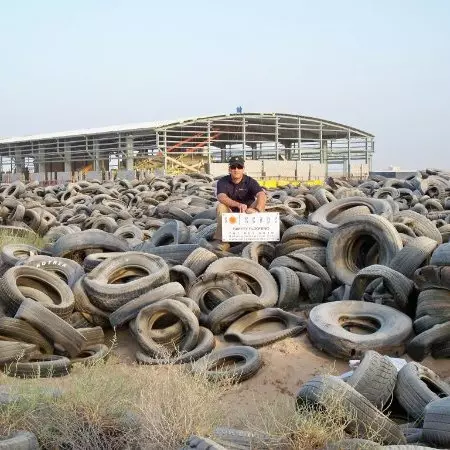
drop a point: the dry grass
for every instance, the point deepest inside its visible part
(115, 406)
(305, 428)
(280, 425)
(16, 236)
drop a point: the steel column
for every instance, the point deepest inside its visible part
(243, 139)
(348, 152)
(276, 139)
(165, 152)
(299, 143)
(209, 143)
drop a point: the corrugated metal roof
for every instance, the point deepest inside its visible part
(152, 126)
(91, 131)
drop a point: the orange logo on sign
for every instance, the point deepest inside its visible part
(233, 220)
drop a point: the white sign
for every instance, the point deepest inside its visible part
(259, 227)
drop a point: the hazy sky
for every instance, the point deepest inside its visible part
(382, 66)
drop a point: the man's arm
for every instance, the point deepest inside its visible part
(261, 201)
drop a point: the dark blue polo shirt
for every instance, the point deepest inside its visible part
(243, 192)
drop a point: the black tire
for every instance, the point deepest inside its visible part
(11, 351)
(288, 287)
(416, 387)
(21, 331)
(199, 260)
(430, 277)
(306, 231)
(52, 326)
(346, 242)
(398, 285)
(434, 302)
(91, 355)
(441, 350)
(240, 266)
(260, 252)
(413, 255)
(327, 212)
(12, 254)
(41, 366)
(436, 423)
(201, 443)
(228, 286)
(93, 335)
(182, 275)
(426, 322)
(362, 415)
(211, 364)
(375, 378)
(101, 283)
(74, 245)
(419, 224)
(176, 253)
(90, 312)
(390, 329)
(231, 309)
(303, 263)
(421, 345)
(148, 316)
(94, 259)
(22, 282)
(69, 271)
(173, 232)
(131, 309)
(293, 326)
(19, 440)
(205, 344)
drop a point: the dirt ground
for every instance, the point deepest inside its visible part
(287, 364)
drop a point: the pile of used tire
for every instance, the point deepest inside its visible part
(365, 258)
(364, 398)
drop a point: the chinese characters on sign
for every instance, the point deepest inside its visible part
(259, 227)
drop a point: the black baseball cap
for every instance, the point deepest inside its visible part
(236, 160)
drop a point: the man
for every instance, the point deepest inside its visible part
(237, 192)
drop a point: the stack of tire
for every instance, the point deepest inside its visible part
(421, 400)
(432, 320)
(350, 251)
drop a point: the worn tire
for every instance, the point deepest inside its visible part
(293, 326)
(268, 295)
(375, 378)
(390, 329)
(131, 309)
(52, 326)
(436, 423)
(363, 416)
(349, 236)
(207, 365)
(412, 389)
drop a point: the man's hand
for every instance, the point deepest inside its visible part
(251, 211)
(242, 208)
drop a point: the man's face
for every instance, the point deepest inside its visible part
(236, 171)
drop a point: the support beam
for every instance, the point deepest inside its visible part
(96, 149)
(165, 152)
(276, 139)
(243, 139)
(348, 153)
(129, 164)
(209, 143)
(18, 160)
(67, 157)
(299, 142)
(41, 160)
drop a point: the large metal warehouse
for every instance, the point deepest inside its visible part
(257, 136)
